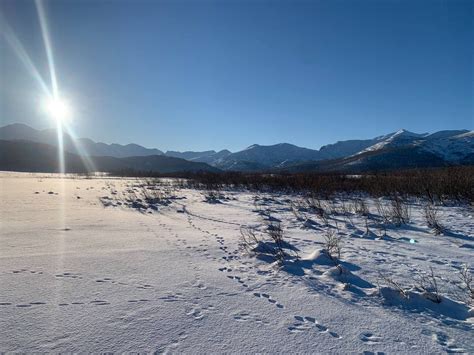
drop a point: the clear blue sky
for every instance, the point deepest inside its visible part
(195, 75)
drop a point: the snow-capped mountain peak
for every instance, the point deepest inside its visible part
(398, 138)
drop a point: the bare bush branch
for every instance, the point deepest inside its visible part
(317, 206)
(400, 211)
(249, 239)
(431, 214)
(383, 211)
(360, 207)
(276, 246)
(296, 209)
(394, 285)
(428, 284)
(332, 245)
(275, 232)
(467, 284)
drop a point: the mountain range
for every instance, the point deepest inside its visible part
(29, 156)
(397, 150)
(18, 131)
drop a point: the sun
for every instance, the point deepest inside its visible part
(58, 109)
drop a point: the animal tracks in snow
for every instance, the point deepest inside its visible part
(68, 275)
(307, 323)
(103, 280)
(445, 341)
(173, 297)
(99, 302)
(268, 298)
(370, 338)
(26, 271)
(199, 312)
(244, 316)
(225, 269)
(137, 301)
(238, 279)
(62, 304)
(173, 345)
(199, 284)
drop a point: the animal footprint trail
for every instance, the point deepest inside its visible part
(105, 279)
(108, 280)
(233, 277)
(173, 297)
(196, 313)
(198, 283)
(445, 341)
(307, 323)
(199, 312)
(244, 316)
(370, 338)
(225, 269)
(99, 302)
(26, 271)
(173, 345)
(137, 301)
(268, 298)
(238, 279)
(35, 304)
(69, 275)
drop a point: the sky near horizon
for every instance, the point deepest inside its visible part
(204, 74)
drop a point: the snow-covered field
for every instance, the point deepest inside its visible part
(81, 269)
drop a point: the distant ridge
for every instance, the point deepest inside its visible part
(39, 157)
(19, 131)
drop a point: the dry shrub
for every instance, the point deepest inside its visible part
(332, 245)
(467, 284)
(383, 210)
(432, 218)
(394, 285)
(316, 204)
(428, 284)
(360, 207)
(399, 211)
(274, 245)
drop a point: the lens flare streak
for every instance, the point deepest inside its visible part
(47, 45)
(21, 53)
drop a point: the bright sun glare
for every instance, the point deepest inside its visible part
(57, 109)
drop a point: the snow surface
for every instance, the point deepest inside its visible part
(82, 271)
